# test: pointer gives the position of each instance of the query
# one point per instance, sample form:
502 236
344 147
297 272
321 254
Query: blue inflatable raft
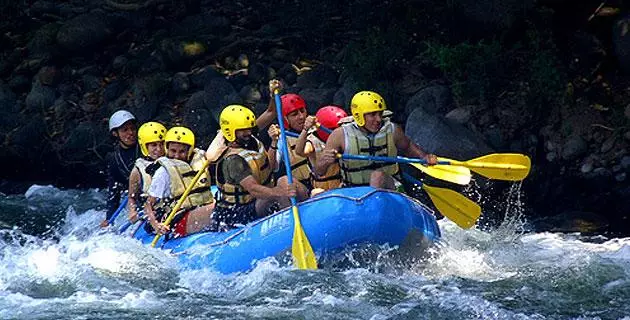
332 221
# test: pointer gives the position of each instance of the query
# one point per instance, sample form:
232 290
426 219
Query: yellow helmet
181 135
150 132
235 117
365 102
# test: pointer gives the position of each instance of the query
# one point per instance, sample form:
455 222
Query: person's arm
272 152
259 191
303 147
334 146
159 189
267 117
409 148
149 211
133 194
237 171
113 191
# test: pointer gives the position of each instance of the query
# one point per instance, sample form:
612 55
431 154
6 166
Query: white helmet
119 118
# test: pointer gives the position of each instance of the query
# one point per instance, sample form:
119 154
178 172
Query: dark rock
317 98
491 14
250 95
572 221
321 76
287 74
154 63
82 137
49 76
434 100
280 54
146 94
84 31
219 93
20 83
257 73
459 115
119 63
40 97
90 82
27 140
180 83
202 123
202 24
608 144
199 78
113 90
621 41
627 112
495 137
43 40
435 135
7 97
574 147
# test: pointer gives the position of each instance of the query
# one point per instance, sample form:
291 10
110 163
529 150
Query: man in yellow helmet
243 173
151 141
176 172
372 135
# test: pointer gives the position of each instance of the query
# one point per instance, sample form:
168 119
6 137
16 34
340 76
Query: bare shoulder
336 140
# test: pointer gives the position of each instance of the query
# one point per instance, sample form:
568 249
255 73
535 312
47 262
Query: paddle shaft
397 159
122 205
303 254
285 150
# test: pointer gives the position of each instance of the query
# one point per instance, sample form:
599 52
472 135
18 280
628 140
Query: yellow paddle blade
455 174
459 209
500 166
303 255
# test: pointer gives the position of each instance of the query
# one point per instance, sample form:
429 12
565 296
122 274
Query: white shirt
279 157
160 184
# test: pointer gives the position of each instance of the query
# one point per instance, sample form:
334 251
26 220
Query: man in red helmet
294 114
311 143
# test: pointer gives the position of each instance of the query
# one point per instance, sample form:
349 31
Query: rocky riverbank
466 78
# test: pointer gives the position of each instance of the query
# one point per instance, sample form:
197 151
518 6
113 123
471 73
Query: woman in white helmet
120 162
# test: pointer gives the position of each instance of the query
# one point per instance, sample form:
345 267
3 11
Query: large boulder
621 41
437 135
490 14
84 31
218 94
317 98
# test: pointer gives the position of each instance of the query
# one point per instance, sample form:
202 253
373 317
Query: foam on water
79 271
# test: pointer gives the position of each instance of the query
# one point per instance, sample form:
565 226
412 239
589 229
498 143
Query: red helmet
290 103
329 117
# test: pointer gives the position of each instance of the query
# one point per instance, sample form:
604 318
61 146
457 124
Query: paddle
128 224
181 200
303 255
122 205
457 208
500 166
454 174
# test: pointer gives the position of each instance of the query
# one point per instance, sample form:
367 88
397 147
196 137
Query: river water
56 264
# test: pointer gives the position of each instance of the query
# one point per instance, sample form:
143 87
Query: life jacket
299 165
181 174
357 172
261 171
145 178
332 178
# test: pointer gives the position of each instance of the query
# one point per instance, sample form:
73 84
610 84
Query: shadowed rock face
65 67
